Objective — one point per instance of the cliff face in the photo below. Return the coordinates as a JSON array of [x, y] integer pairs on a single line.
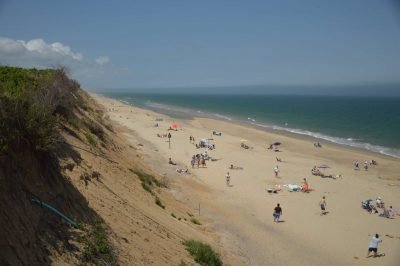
[[29, 232], [57, 147], [34, 106]]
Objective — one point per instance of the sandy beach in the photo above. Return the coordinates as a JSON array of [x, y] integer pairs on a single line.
[[241, 214]]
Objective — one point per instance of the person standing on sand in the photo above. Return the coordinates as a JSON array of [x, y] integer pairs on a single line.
[[322, 204], [276, 170], [277, 213], [305, 187], [228, 179], [193, 161], [356, 165], [373, 246], [190, 139], [366, 165]]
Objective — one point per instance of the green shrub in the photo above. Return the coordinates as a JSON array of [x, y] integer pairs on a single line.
[[95, 129], [182, 263], [147, 188], [31, 101], [202, 253], [23, 122], [159, 203], [97, 246], [195, 221], [148, 178], [90, 139]]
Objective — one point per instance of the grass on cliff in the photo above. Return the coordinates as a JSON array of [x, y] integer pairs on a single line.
[[97, 247], [159, 203], [195, 221], [90, 139], [202, 253], [147, 180]]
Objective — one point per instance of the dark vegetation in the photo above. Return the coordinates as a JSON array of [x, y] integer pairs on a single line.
[[36, 108], [202, 253], [195, 221], [159, 203], [96, 245], [31, 103], [148, 182]]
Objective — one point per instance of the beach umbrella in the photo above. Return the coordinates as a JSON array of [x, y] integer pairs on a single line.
[[174, 126], [324, 166], [276, 143]]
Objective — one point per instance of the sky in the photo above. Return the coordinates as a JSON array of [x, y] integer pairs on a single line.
[[180, 45]]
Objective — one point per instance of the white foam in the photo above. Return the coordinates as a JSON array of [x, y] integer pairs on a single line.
[[343, 141], [223, 117], [352, 142]]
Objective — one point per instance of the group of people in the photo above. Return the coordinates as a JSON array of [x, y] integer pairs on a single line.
[[315, 171], [317, 145], [179, 170], [379, 204], [367, 163], [199, 159]]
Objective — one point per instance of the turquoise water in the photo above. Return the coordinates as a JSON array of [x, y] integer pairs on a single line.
[[371, 123]]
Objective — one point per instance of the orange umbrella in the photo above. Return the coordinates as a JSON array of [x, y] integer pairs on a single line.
[[174, 126]]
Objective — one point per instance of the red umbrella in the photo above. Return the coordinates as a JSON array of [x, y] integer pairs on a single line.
[[174, 126]]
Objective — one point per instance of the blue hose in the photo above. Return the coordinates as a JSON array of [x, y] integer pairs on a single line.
[[66, 218]]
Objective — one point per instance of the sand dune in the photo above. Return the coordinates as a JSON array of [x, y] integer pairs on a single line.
[[242, 214]]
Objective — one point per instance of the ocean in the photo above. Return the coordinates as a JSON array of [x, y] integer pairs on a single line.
[[371, 123]]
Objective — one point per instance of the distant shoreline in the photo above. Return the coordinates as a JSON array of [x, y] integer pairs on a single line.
[[190, 114]]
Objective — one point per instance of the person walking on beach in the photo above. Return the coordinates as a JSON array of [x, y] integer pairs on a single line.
[[356, 165], [373, 246], [228, 179], [193, 161], [277, 213], [276, 170], [366, 165], [322, 204], [190, 139], [305, 187]]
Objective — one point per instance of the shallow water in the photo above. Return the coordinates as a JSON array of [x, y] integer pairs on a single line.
[[371, 123]]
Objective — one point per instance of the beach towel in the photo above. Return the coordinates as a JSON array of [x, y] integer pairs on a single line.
[[293, 187]]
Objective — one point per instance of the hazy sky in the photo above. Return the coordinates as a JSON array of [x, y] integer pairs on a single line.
[[147, 44]]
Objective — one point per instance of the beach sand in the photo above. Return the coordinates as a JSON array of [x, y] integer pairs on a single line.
[[241, 214]]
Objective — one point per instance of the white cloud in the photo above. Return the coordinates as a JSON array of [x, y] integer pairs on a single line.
[[102, 60], [40, 54], [9, 46], [35, 51]]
